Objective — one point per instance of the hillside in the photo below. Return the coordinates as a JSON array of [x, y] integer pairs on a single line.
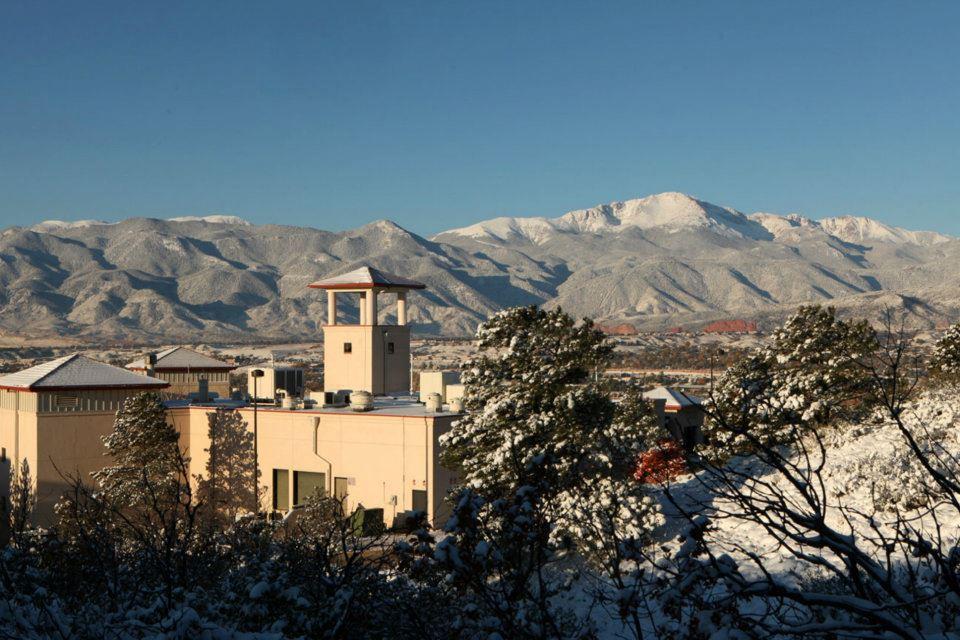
[[654, 262]]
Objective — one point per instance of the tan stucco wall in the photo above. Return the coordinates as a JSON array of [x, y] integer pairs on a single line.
[[368, 363], [380, 455], [57, 440]]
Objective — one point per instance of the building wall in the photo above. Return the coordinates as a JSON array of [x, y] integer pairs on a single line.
[[59, 434], [68, 446], [18, 431], [381, 456], [369, 366]]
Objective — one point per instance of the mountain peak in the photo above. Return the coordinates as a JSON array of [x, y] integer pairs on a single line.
[[668, 212]]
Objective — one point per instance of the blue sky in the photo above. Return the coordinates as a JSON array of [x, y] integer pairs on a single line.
[[333, 114]]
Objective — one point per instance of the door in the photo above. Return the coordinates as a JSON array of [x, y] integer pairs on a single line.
[[419, 500], [306, 484], [340, 490]]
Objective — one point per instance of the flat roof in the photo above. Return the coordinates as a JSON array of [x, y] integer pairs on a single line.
[[385, 406]]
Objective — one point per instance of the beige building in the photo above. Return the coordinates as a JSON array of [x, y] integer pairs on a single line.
[[185, 369], [367, 356], [682, 414], [54, 415], [385, 456]]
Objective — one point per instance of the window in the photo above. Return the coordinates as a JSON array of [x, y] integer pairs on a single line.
[[347, 347], [307, 483], [390, 348], [281, 490]]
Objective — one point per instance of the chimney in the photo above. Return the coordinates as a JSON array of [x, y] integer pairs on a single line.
[[151, 363]]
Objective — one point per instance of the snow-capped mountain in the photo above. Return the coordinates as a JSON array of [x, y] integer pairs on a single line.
[[672, 212], [660, 261], [859, 229]]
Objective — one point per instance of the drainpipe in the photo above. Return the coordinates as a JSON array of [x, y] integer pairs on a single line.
[[316, 452]]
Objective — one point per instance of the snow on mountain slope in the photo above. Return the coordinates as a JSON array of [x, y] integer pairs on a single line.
[[660, 261], [213, 219], [670, 212], [53, 225], [674, 212], [859, 229], [782, 225]]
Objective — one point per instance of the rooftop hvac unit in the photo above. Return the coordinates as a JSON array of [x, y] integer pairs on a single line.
[[434, 402], [361, 401]]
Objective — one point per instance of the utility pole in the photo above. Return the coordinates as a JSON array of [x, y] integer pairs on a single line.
[[713, 355], [256, 374]]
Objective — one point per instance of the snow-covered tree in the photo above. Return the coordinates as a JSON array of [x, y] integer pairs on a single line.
[[809, 374], [145, 450], [945, 363], [537, 412]]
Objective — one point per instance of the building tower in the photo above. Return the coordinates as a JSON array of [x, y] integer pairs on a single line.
[[368, 356]]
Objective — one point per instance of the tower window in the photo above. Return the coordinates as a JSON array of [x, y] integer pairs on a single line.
[[390, 348], [347, 347]]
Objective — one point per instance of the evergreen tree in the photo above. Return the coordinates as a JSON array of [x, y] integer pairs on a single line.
[[810, 374], [538, 415], [23, 499], [144, 449], [227, 488]]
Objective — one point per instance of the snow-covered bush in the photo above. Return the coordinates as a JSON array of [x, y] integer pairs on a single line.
[[807, 376], [945, 362], [877, 462]]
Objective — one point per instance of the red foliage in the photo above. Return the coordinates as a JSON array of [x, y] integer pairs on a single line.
[[661, 464]]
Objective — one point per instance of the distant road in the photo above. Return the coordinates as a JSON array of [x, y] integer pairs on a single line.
[[682, 373]]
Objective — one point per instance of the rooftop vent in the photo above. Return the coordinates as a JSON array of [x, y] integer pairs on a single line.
[[361, 401], [434, 402]]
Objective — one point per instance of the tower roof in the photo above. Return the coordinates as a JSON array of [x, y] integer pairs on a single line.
[[366, 278], [179, 358], [77, 372]]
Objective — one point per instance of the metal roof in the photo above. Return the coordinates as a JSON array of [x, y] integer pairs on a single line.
[[366, 278], [78, 372], [675, 398], [181, 358]]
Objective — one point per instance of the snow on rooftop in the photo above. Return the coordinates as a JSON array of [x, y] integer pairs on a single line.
[[77, 372], [366, 277], [181, 358], [674, 397]]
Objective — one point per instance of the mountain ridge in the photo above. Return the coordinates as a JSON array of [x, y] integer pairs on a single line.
[[655, 262]]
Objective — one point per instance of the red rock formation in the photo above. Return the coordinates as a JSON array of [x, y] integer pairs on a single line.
[[619, 329], [731, 326]]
